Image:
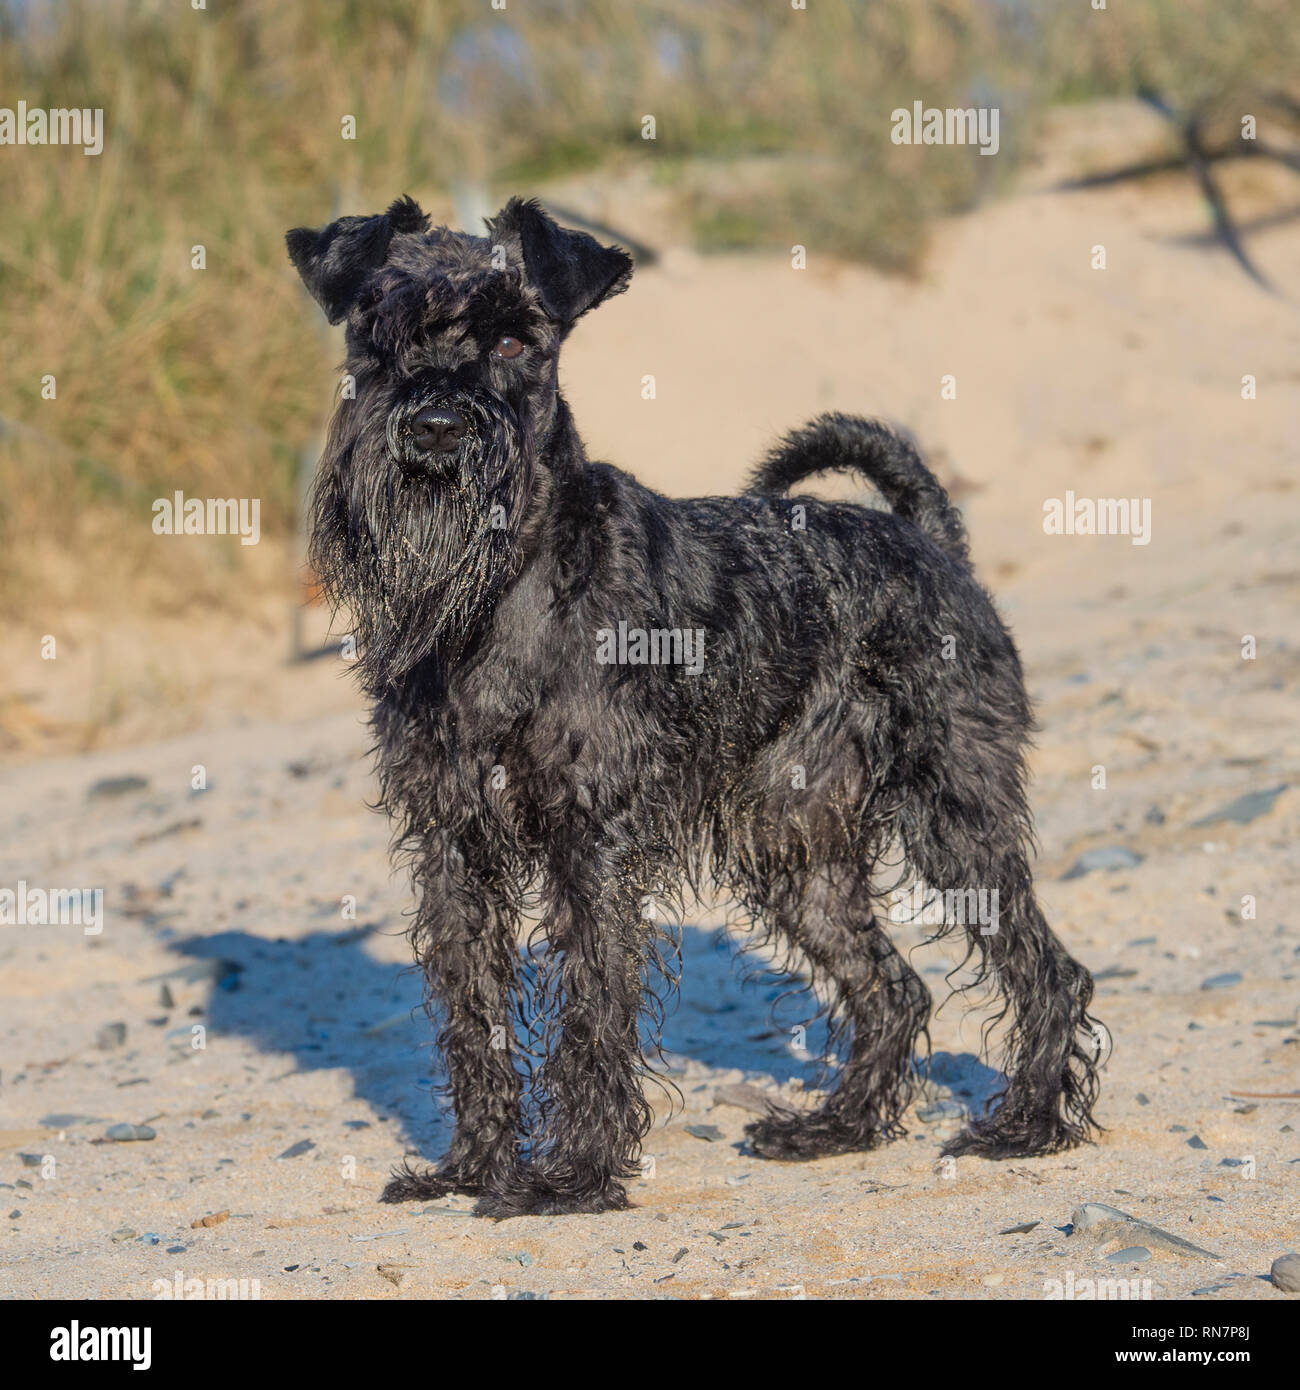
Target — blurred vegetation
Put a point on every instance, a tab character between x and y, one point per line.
223	127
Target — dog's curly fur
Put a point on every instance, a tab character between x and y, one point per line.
858	696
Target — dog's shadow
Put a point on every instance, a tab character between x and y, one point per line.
327	1003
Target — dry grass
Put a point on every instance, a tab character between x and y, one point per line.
224	127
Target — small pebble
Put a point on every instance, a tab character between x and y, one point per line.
1109	857
215	1219
297	1150
109	787
126	1133
1285	1273
1134	1254
1224	981
1114	972
709	1133
1245	808
110	1036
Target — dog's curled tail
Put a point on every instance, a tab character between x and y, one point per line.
836	443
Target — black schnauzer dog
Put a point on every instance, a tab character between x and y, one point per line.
589	698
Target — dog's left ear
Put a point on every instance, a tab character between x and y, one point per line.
571	271
335	261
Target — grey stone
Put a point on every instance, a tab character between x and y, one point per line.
1101	1222
1285	1273
1245	808
109	787
1108	857
711	1133
297	1150
124	1133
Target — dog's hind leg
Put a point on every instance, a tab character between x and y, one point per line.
879	1007
464	935
1052	1045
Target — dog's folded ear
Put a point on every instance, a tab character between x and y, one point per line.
335	261
571	271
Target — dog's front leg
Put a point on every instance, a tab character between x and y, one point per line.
591	1114
465	939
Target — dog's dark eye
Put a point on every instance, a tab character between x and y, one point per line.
508	348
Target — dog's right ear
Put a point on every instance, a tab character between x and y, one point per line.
335	261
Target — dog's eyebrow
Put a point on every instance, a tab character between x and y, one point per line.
500	291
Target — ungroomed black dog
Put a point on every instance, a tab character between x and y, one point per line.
589	698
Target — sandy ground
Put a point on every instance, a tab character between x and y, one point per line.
223	906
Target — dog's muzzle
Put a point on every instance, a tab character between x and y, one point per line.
428	436
451	434
437	429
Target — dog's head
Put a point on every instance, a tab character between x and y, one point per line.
435	450
448	326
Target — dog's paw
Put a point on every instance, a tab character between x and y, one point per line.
413	1185
1016	1138
974	1143
547	1201
799	1138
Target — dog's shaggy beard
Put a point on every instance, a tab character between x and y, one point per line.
418	559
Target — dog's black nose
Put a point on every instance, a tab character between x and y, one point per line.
437	430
